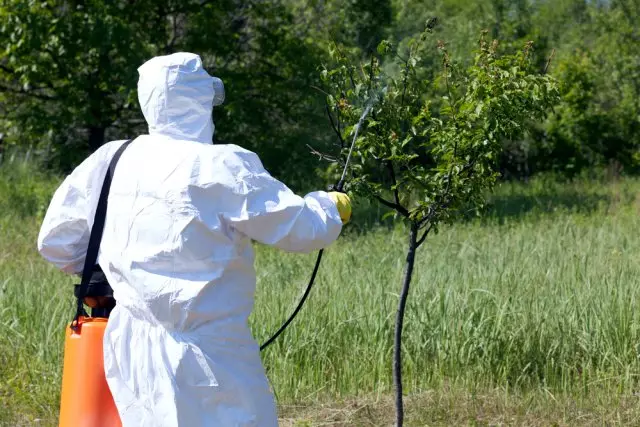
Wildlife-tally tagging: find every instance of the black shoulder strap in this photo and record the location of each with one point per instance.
(96, 230)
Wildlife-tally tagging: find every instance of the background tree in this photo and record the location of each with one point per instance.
(68, 71)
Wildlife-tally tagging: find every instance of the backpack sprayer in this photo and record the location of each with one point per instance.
(93, 406)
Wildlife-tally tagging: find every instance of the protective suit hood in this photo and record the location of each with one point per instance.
(177, 95)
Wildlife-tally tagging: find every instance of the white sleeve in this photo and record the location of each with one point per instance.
(266, 210)
(64, 234)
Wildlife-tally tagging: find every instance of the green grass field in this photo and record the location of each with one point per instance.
(526, 317)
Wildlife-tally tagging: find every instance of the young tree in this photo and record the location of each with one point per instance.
(430, 160)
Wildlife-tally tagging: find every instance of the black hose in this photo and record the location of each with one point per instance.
(339, 187)
(284, 326)
(300, 304)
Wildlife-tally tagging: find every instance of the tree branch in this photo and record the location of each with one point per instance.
(23, 92)
(371, 74)
(443, 204)
(333, 125)
(424, 235)
(319, 89)
(322, 156)
(396, 194)
(353, 83)
(546, 67)
(7, 69)
(168, 48)
(405, 82)
(401, 209)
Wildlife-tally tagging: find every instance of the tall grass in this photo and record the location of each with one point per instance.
(541, 294)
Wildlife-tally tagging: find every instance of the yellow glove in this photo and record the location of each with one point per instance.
(343, 203)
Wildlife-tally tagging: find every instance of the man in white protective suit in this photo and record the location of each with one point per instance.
(177, 251)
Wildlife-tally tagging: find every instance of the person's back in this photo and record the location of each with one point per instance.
(170, 233)
(177, 252)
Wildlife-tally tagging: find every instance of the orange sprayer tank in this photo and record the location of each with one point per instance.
(86, 400)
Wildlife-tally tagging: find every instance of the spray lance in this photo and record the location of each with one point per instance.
(338, 187)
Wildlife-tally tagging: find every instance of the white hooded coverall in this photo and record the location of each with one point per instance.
(177, 252)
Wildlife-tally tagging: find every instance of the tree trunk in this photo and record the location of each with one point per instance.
(96, 137)
(397, 357)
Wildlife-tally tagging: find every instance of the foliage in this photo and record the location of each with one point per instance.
(68, 74)
(430, 158)
(68, 71)
(598, 121)
(595, 125)
(69, 68)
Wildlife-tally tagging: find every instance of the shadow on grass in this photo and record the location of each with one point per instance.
(540, 197)
(516, 205)
(504, 206)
